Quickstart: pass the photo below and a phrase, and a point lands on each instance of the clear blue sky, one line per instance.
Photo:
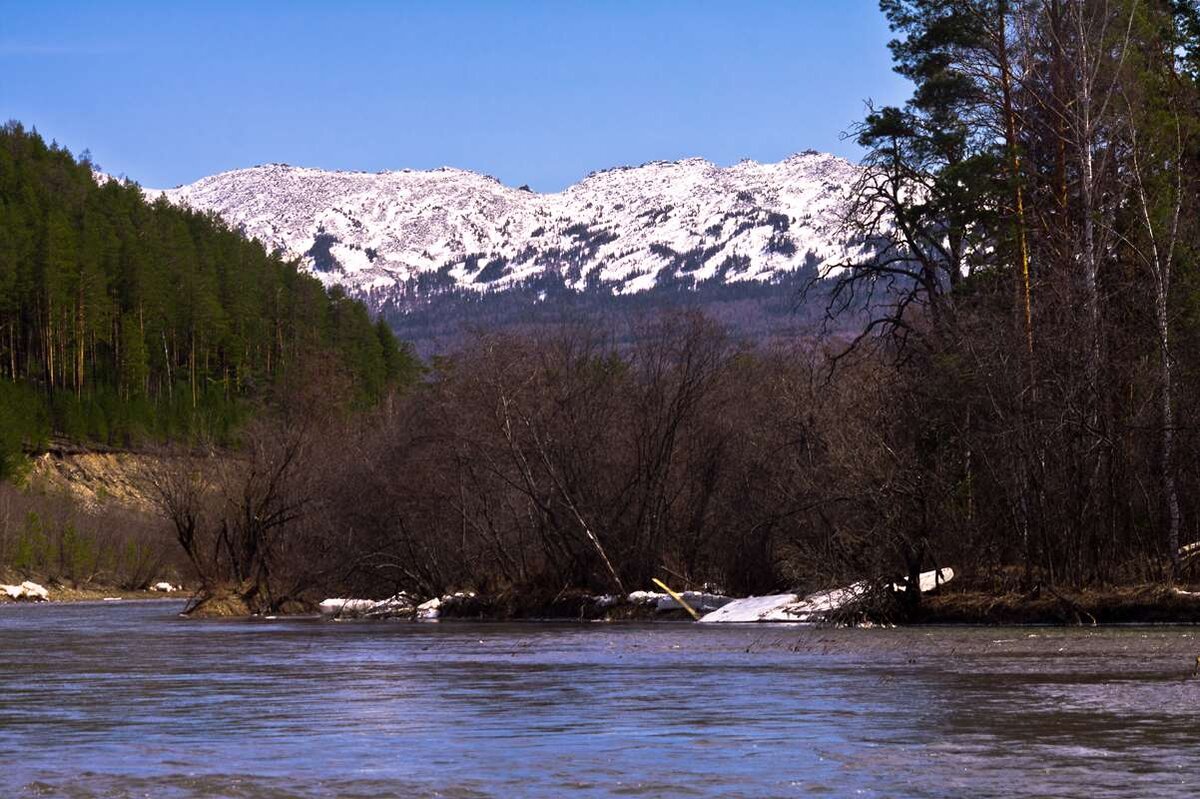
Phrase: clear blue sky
(531, 92)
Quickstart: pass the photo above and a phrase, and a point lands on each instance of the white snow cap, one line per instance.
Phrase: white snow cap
(629, 228)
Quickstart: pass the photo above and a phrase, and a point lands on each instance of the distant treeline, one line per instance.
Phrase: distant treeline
(123, 321)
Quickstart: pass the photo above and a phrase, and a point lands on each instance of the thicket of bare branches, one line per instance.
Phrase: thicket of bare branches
(529, 465)
(564, 462)
(254, 523)
(535, 464)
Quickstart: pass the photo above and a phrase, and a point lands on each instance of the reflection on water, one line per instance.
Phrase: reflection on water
(127, 700)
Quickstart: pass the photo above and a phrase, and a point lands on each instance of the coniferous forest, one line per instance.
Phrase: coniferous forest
(124, 322)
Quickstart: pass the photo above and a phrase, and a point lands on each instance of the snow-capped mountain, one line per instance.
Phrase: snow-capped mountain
(624, 230)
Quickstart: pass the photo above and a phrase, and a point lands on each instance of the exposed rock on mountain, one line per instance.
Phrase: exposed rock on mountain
(407, 235)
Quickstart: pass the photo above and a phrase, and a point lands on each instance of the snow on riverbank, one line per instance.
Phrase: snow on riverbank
(26, 591)
(794, 608)
(400, 606)
(717, 607)
(701, 601)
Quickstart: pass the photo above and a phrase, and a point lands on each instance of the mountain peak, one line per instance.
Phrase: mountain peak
(622, 230)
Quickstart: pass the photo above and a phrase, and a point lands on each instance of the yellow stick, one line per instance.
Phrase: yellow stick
(677, 598)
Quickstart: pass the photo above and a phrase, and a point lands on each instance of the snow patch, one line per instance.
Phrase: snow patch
(794, 608)
(26, 591)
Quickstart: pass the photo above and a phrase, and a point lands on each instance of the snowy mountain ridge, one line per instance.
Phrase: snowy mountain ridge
(623, 230)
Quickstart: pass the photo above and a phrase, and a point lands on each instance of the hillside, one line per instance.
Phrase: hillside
(122, 320)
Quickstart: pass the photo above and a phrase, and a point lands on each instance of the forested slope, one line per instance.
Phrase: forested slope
(123, 321)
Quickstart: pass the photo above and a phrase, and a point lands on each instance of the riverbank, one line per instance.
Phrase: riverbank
(517, 606)
(1136, 604)
(92, 592)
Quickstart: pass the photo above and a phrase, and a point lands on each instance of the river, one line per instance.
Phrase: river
(126, 699)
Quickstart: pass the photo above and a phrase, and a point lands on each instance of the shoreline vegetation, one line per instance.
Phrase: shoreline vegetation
(1020, 405)
(1124, 605)
(106, 489)
(59, 594)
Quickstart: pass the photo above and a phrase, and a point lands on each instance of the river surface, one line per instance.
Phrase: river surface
(127, 700)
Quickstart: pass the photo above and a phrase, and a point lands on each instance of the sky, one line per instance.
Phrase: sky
(536, 93)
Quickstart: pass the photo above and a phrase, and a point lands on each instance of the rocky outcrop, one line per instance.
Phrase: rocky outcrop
(96, 478)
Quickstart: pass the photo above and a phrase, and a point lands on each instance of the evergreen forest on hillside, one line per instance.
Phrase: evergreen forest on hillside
(124, 322)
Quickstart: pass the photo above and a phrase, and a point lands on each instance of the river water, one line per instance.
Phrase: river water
(127, 700)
